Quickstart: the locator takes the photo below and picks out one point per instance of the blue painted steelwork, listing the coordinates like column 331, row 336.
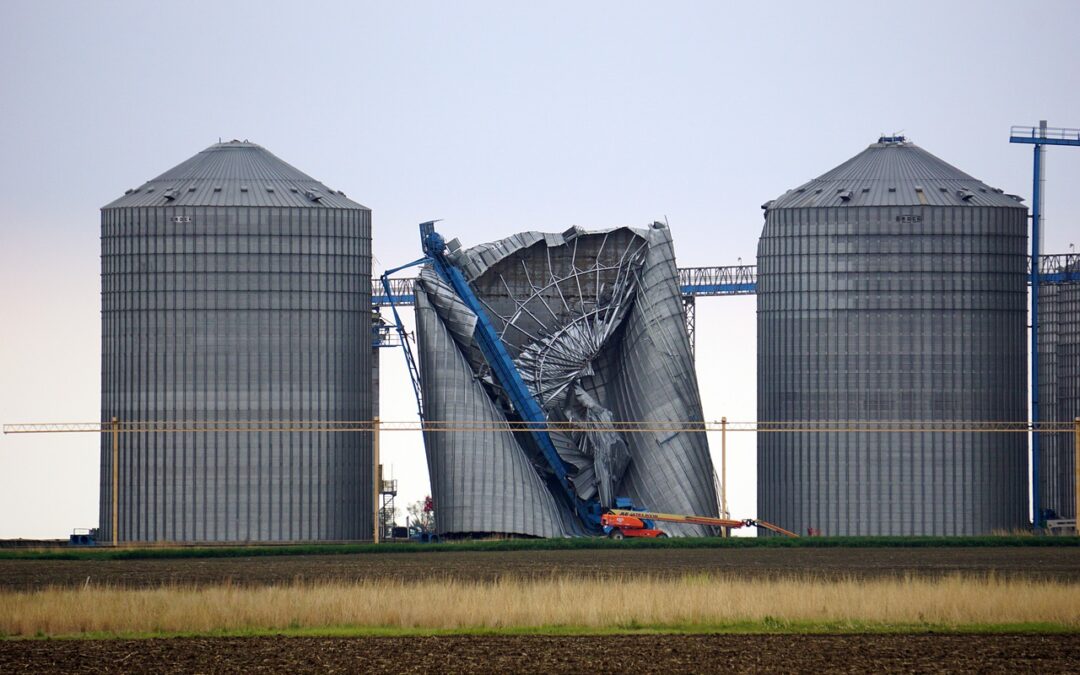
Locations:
column 707, row 290
column 381, row 336
column 1036, row 203
column 384, row 300
column 1066, row 277
column 713, row 282
column 1058, row 268
column 410, row 360
column 699, row 290
column 1044, row 135
column 693, row 282
column 1039, row 136
column 506, row 373
column 400, row 293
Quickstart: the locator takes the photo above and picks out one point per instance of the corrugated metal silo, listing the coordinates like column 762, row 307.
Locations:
column 236, row 288
column 892, row 288
column 1059, row 392
column 594, row 324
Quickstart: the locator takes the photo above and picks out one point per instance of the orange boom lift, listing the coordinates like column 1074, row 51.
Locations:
column 625, row 523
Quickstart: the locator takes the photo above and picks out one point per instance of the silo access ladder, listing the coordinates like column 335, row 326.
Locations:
column 622, row 523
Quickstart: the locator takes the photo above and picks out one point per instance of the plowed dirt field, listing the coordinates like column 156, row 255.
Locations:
column 541, row 654
column 1061, row 563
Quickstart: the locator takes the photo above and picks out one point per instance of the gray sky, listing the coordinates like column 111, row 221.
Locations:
column 497, row 117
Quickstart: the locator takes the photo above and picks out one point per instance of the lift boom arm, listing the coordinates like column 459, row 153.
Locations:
column 700, row 520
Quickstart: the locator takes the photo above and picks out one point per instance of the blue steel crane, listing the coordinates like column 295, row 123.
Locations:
column 502, row 366
column 1040, row 137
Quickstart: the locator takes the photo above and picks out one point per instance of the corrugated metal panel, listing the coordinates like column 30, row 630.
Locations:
column 236, row 173
column 894, row 174
column 655, row 380
column 481, row 481
column 237, row 314
column 592, row 319
column 892, row 313
column 1059, row 393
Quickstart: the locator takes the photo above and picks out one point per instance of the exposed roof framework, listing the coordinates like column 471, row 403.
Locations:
column 593, row 323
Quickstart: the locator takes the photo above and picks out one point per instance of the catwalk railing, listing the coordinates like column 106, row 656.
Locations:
column 697, row 282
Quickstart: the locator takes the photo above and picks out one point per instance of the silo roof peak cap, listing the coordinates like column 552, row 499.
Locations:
column 236, row 143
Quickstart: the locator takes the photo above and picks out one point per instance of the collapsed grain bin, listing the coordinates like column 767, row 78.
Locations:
column 892, row 288
column 593, row 323
column 236, row 289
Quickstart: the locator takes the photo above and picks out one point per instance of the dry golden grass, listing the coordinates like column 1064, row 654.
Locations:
column 589, row 603
column 1014, row 532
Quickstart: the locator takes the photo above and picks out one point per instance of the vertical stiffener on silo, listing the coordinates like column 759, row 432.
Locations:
column 892, row 288
column 236, row 289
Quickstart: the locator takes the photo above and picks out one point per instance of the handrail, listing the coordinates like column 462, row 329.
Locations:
column 742, row 279
column 1052, row 133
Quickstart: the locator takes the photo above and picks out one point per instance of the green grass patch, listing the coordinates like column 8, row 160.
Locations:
column 583, row 543
column 764, row 627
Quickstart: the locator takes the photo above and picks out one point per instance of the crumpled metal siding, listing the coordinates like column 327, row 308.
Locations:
column 644, row 372
column 1059, row 393
column 655, row 380
column 878, row 313
column 237, row 314
column 481, row 481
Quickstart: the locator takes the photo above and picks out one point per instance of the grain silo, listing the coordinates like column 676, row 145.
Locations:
column 892, row 288
column 236, row 288
column 593, row 322
column 1059, row 391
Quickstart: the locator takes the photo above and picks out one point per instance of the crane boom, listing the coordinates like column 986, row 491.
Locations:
column 694, row 520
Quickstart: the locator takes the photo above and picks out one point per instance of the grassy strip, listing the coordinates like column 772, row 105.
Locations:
column 583, row 543
column 684, row 604
column 764, row 627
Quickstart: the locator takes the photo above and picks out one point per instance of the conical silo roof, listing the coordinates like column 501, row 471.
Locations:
column 234, row 173
column 894, row 172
